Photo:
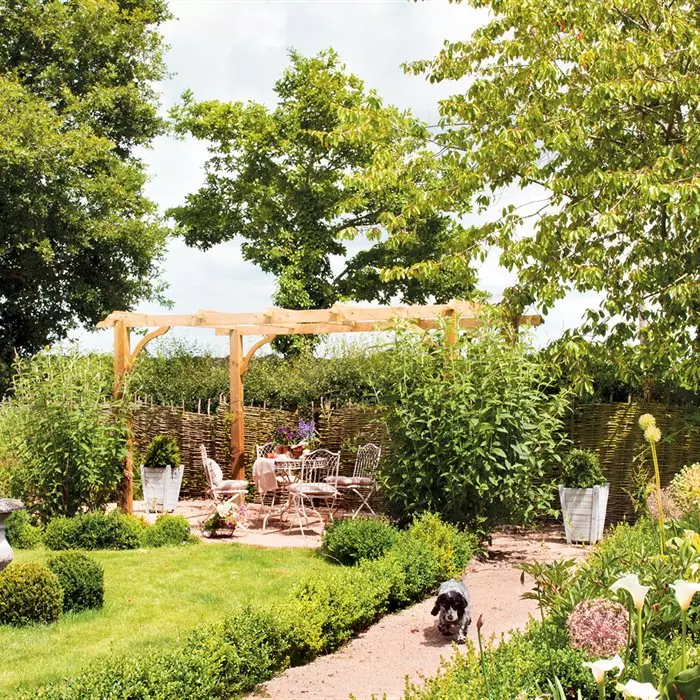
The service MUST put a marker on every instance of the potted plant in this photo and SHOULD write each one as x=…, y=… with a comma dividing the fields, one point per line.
x=583, y=494
x=161, y=473
x=226, y=517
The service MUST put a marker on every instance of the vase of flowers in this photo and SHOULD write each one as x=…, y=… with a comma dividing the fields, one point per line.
x=225, y=519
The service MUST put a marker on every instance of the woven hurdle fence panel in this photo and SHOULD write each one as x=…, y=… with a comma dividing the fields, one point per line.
x=612, y=432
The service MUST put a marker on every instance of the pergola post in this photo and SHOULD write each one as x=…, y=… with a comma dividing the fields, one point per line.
x=237, y=415
x=122, y=362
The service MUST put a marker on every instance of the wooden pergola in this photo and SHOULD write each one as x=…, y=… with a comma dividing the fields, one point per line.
x=340, y=318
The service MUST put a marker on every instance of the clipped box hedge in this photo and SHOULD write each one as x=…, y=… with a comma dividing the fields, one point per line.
x=252, y=645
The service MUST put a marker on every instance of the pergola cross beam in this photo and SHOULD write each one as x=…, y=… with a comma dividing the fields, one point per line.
x=340, y=318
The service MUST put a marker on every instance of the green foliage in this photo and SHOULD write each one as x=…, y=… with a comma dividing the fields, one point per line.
x=250, y=646
x=589, y=110
x=286, y=181
x=581, y=469
x=81, y=579
x=518, y=668
x=168, y=530
x=66, y=448
x=452, y=548
x=348, y=541
x=95, y=531
x=77, y=99
x=29, y=593
x=21, y=533
x=162, y=452
x=473, y=430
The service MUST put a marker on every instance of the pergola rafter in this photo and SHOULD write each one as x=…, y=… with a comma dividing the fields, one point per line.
x=340, y=318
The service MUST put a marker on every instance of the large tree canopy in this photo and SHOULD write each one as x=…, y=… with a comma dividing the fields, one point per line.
x=286, y=181
x=592, y=109
x=77, y=236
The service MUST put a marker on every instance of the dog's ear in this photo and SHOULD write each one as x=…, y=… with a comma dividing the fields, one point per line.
x=436, y=608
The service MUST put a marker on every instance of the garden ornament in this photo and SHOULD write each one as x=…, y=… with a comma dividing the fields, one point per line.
x=7, y=506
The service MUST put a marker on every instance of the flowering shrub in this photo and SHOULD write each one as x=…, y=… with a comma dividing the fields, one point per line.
x=598, y=627
x=225, y=516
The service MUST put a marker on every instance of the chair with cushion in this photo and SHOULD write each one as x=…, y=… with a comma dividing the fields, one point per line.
x=218, y=488
x=264, y=450
x=319, y=471
x=363, y=482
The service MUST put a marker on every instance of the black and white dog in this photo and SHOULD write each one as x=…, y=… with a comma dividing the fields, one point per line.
x=454, y=605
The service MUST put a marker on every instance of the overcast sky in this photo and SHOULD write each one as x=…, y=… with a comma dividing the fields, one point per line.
x=236, y=50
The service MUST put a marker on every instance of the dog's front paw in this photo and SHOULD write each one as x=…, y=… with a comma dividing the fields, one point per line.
x=461, y=639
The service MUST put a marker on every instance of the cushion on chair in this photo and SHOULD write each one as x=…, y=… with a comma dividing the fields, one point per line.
x=349, y=481
x=215, y=473
x=312, y=489
x=233, y=485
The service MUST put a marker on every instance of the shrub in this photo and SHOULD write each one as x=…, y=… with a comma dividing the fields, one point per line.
x=581, y=469
x=95, y=531
x=162, y=452
x=411, y=567
x=20, y=531
x=81, y=578
x=168, y=530
x=348, y=541
x=29, y=593
x=65, y=449
x=453, y=549
x=474, y=428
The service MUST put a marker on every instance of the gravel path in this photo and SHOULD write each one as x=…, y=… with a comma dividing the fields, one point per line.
x=407, y=644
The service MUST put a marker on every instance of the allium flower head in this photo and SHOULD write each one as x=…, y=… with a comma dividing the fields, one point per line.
x=598, y=627
x=647, y=421
x=652, y=434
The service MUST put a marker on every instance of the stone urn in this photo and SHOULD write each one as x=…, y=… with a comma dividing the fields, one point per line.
x=7, y=506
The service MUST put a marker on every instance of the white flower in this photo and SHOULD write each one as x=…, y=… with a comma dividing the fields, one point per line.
x=647, y=421
x=652, y=434
x=630, y=583
x=602, y=666
x=685, y=591
x=635, y=689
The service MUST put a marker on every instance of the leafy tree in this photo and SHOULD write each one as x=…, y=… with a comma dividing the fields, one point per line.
x=78, y=238
x=285, y=180
x=592, y=110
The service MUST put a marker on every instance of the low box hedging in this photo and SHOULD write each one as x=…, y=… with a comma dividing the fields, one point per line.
x=95, y=531
x=21, y=533
x=99, y=530
x=349, y=541
x=250, y=646
x=168, y=530
x=81, y=579
x=29, y=593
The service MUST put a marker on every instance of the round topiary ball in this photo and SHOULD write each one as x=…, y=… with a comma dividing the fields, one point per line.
x=349, y=541
x=29, y=593
x=81, y=578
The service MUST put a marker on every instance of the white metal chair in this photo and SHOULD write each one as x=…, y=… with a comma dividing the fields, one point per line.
x=218, y=488
x=363, y=482
x=319, y=469
x=264, y=450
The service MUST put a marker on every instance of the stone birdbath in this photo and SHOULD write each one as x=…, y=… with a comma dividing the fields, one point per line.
x=7, y=506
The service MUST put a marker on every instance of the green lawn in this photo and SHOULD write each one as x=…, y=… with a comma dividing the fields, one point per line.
x=152, y=599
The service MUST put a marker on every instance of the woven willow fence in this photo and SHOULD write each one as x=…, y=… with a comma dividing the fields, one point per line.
x=612, y=432
x=609, y=430
x=340, y=429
